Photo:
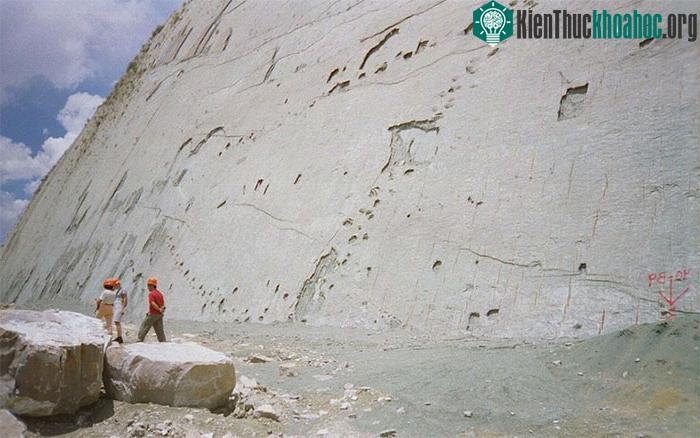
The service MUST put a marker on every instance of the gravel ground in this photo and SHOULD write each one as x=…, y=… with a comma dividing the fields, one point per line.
x=642, y=381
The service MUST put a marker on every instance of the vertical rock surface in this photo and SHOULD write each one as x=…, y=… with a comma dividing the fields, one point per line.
x=371, y=163
x=50, y=362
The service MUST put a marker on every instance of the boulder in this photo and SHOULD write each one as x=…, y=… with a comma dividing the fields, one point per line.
x=50, y=362
x=10, y=426
x=169, y=374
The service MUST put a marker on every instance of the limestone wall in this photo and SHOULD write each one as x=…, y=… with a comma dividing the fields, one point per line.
x=371, y=163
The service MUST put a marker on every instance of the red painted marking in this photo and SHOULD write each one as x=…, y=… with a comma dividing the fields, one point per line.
x=670, y=301
x=661, y=277
x=651, y=278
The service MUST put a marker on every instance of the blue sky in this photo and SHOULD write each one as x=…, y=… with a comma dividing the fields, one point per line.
x=58, y=61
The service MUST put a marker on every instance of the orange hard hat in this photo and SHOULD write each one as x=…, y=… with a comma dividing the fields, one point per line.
x=116, y=282
x=152, y=282
x=108, y=282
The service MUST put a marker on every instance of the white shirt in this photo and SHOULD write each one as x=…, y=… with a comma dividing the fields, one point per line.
x=118, y=299
x=108, y=296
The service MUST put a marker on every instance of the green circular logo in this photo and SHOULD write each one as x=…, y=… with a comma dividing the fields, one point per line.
x=493, y=23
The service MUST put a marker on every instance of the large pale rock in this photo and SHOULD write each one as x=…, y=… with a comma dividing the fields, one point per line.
x=50, y=362
x=394, y=170
x=11, y=427
x=169, y=374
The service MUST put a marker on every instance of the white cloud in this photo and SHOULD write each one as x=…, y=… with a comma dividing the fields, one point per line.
x=78, y=109
x=10, y=209
x=18, y=164
x=31, y=187
x=16, y=159
x=68, y=41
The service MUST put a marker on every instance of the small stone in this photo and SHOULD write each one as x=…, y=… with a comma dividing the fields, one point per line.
x=247, y=382
x=401, y=410
x=352, y=415
x=344, y=406
x=258, y=358
x=468, y=414
x=82, y=420
x=624, y=374
x=556, y=362
x=580, y=373
x=266, y=411
x=322, y=377
x=637, y=359
x=387, y=433
x=512, y=414
x=427, y=403
x=287, y=370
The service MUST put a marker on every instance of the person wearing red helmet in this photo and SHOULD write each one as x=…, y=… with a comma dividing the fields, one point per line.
x=105, y=303
x=154, y=315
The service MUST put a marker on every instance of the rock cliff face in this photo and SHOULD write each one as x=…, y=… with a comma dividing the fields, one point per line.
x=371, y=163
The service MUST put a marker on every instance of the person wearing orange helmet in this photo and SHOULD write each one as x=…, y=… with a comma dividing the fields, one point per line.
x=105, y=304
x=119, y=308
x=154, y=315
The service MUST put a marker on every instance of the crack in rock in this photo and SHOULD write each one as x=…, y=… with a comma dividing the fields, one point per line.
x=571, y=103
x=211, y=133
x=313, y=291
x=378, y=46
x=402, y=150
